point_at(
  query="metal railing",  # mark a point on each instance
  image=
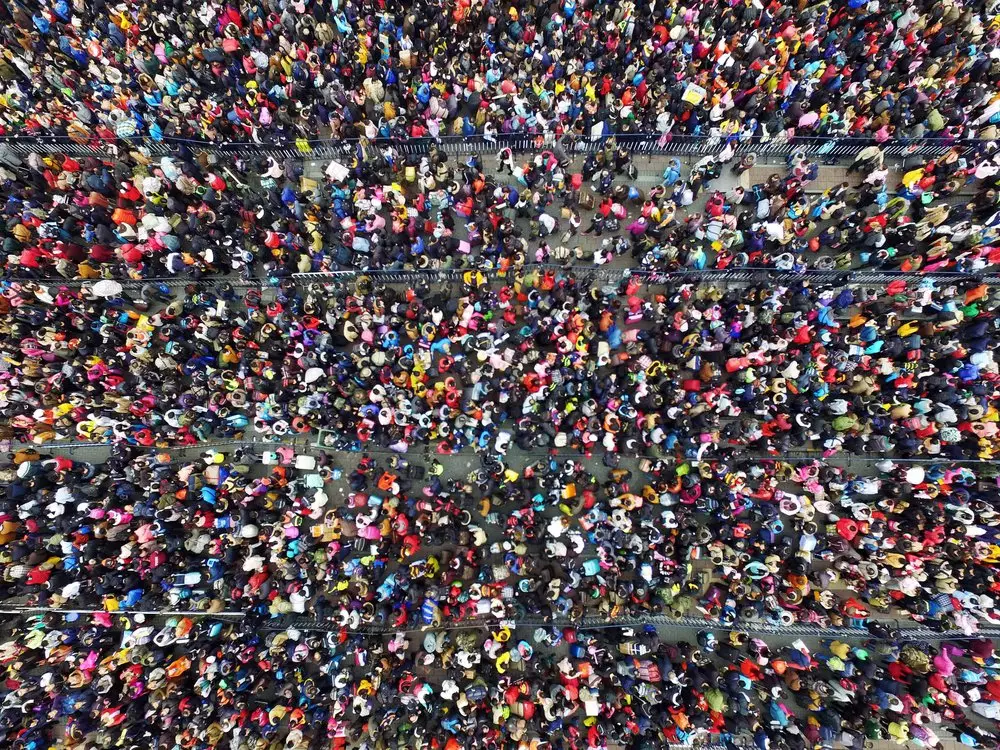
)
(311, 441)
(652, 144)
(760, 275)
(907, 632)
(742, 275)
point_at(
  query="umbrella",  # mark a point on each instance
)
(107, 288)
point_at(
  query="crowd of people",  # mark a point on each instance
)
(393, 544)
(388, 569)
(207, 684)
(547, 505)
(279, 70)
(540, 361)
(197, 214)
